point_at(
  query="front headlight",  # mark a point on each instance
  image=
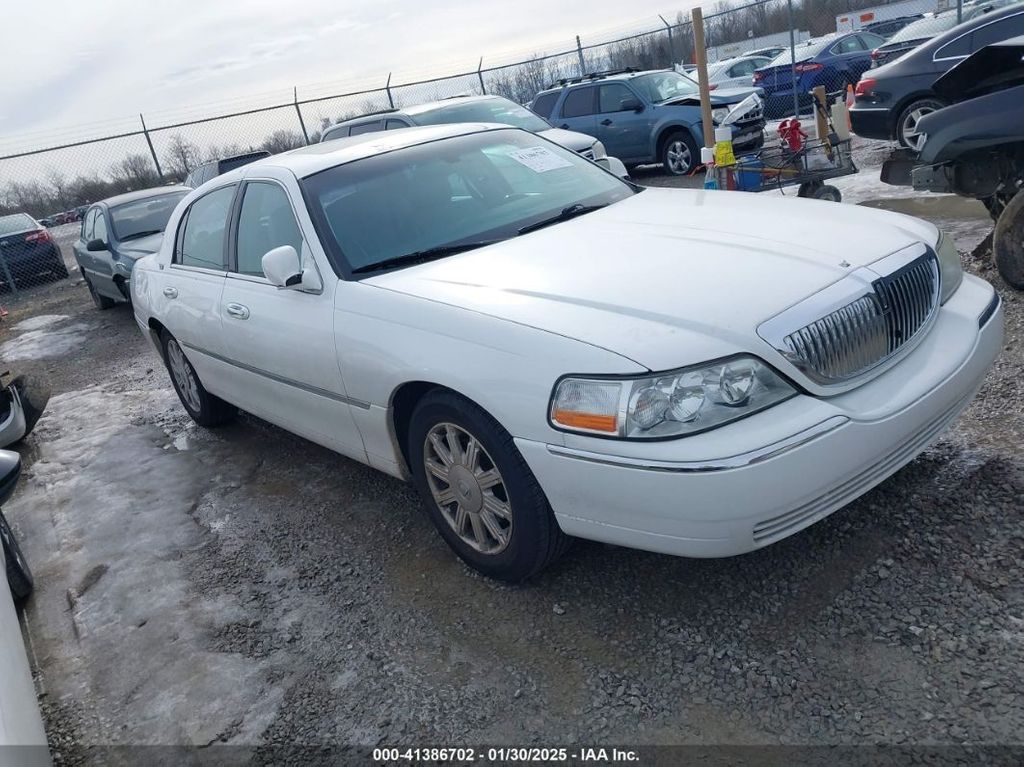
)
(951, 271)
(599, 151)
(717, 115)
(665, 405)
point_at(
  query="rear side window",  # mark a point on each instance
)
(579, 103)
(997, 31)
(333, 133)
(544, 103)
(266, 222)
(200, 240)
(394, 125)
(849, 44)
(871, 40)
(365, 128)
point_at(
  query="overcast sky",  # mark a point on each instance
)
(69, 62)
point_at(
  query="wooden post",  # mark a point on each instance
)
(701, 54)
(820, 121)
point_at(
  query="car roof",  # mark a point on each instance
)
(141, 194)
(926, 49)
(308, 160)
(601, 77)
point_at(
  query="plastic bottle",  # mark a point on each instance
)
(707, 158)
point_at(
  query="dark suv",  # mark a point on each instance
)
(213, 168)
(648, 117)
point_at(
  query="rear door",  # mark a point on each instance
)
(624, 132)
(579, 111)
(280, 343)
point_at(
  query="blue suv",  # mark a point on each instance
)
(647, 117)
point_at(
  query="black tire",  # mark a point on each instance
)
(205, 409)
(1008, 242)
(995, 205)
(827, 193)
(19, 576)
(34, 395)
(682, 142)
(60, 270)
(911, 113)
(808, 188)
(102, 302)
(535, 540)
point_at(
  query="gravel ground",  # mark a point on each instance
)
(245, 586)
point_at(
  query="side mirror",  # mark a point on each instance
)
(96, 245)
(630, 105)
(283, 268)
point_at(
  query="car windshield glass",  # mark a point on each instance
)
(18, 222)
(804, 51)
(923, 28)
(664, 86)
(487, 111)
(436, 197)
(142, 217)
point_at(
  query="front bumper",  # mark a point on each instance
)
(835, 450)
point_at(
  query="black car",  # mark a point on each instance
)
(890, 27)
(118, 231)
(891, 99)
(28, 254)
(213, 168)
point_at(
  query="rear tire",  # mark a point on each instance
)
(906, 124)
(827, 193)
(33, 395)
(102, 302)
(205, 409)
(1008, 242)
(19, 576)
(479, 493)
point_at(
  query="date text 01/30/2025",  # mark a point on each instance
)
(386, 755)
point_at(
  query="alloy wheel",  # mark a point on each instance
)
(911, 136)
(468, 488)
(183, 375)
(679, 156)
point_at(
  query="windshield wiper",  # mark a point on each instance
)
(564, 215)
(422, 256)
(137, 235)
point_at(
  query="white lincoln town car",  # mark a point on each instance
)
(548, 351)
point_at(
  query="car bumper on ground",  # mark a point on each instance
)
(871, 122)
(835, 450)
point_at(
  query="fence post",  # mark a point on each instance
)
(579, 52)
(671, 44)
(792, 58)
(302, 123)
(959, 11)
(480, 76)
(387, 87)
(152, 151)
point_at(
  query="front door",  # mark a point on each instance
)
(279, 344)
(624, 132)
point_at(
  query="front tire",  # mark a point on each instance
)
(907, 133)
(19, 576)
(1008, 242)
(102, 302)
(478, 491)
(679, 154)
(205, 409)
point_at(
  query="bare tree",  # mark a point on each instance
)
(181, 156)
(59, 188)
(281, 141)
(136, 171)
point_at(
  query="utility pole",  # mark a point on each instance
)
(792, 58)
(579, 52)
(152, 151)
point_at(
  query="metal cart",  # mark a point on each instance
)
(809, 167)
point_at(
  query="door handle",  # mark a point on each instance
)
(606, 121)
(237, 311)
(171, 292)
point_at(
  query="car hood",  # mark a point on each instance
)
(570, 139)
(667, 277)
(720, 97)
(142, 246)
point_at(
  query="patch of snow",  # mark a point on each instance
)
(40, 322)
(43, 341)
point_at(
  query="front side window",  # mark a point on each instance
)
(612, 95)
(200, 240)
(88, 224)
(99, 231)
(394, 125)
(579, 103)
(365, 128)
(452, 193)
(143, 217)
(849, 44)
(265, 222)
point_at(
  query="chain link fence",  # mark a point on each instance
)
(48, 179)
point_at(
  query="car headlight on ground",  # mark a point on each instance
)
(950, 269)
(665, 405)
(717, 115)
(600, 153)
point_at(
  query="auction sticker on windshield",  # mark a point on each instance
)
(539, 159)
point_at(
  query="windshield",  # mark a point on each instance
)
(923, 28)
(500, 111)
(142, 217)
(804, 51)
(480, 187)
(663, 86)
(18, 222)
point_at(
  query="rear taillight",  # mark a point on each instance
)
(712, 86)
(758, 76)
(874, 55)
(865, 86)
(41, 236)
(808, 66)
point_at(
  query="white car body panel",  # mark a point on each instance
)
(664, 279)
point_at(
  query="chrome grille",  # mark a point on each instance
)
(866, 332)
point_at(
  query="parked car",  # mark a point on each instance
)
(891, 100)
(49, 222)
(647, 117)
(975, 146)
(28, 252)
(213, 168)
(734, 73)
(22, 402)
(769, 52)
(834, 62)
(549, 351)
(476, 109)
(890, 27)
(116, 233)
(20, 721)
(911, 36)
